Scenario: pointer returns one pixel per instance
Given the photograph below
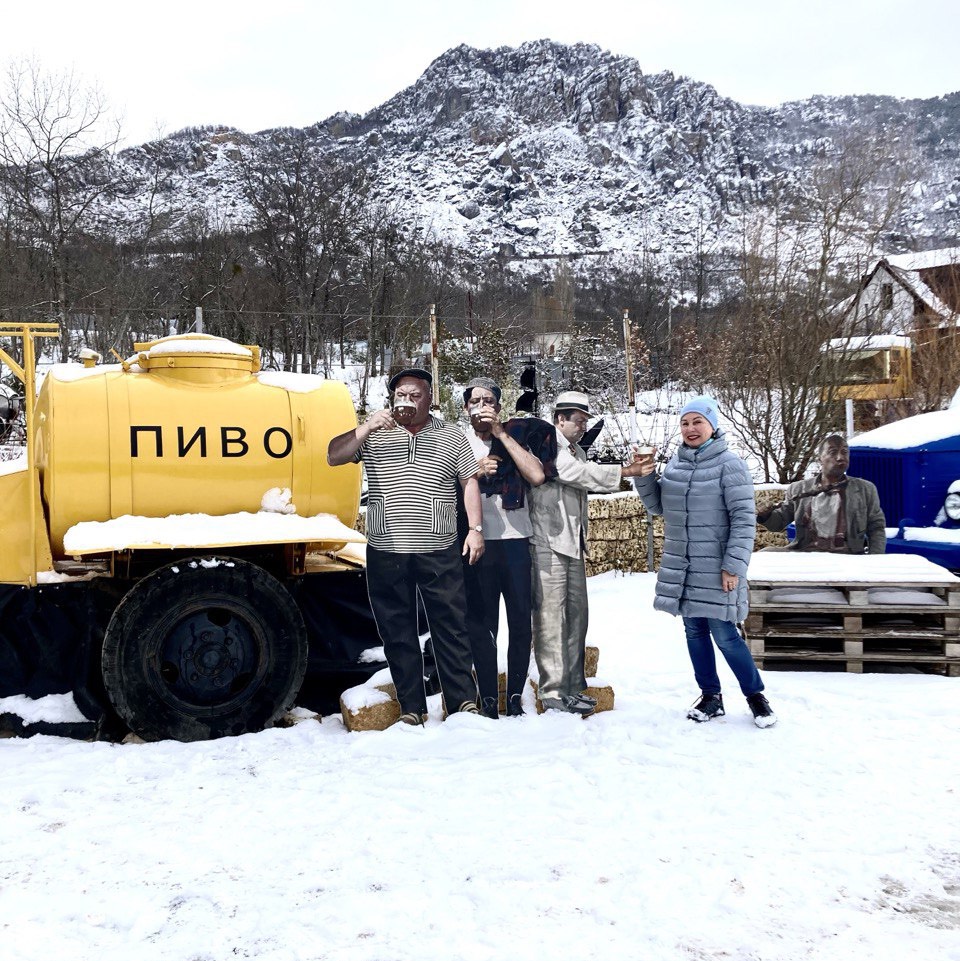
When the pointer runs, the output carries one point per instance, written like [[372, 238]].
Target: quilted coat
[[705, 495]]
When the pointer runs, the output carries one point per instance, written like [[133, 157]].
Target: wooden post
[[434, 361], [631, 393], [634, 429]]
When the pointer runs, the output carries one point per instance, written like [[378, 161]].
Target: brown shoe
[[413, 719]]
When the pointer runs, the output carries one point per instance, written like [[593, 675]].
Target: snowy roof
[[925, 259], [912, 432], [913, 284], [13, 466], [873, 342]]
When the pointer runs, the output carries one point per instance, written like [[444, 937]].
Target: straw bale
[[590, 661], [376, 716], [602, 693]]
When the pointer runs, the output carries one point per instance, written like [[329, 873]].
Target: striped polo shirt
[[412, 486]]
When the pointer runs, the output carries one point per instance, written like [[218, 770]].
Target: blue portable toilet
[[912, 462]]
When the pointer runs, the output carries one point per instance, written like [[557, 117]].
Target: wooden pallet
[[819, 611], [812, 658], [920, 623]]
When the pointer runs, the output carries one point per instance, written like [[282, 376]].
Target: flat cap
[[410, 372], [486, 383]]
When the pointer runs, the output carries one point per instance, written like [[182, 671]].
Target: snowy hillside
[[549, 148]]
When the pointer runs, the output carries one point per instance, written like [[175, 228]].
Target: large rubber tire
[[203, 648]]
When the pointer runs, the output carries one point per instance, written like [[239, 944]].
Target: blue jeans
[[733, 648]]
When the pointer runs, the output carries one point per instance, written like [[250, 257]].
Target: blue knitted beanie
[[706, 406]]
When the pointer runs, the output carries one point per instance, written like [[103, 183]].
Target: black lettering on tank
[[200, 434], [288, 442], [226, 441], [134, 440]]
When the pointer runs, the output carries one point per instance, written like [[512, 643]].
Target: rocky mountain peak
[[566, 149]]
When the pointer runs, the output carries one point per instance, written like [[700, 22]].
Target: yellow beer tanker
[[152, 474]]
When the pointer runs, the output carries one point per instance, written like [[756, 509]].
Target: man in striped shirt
[[412, 474]]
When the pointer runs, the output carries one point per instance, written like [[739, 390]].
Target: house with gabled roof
[[906, 293], [915, 296]]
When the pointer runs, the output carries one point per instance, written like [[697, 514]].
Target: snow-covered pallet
[[892, 612]]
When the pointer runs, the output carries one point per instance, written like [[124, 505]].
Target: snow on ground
[[635, 834]]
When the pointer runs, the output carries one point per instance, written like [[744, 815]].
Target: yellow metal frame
[[27, 375]]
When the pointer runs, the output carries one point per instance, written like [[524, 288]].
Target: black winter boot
[[709, 706], [763, 715], [514, 706]]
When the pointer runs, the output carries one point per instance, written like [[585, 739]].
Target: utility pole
[[632, 414], [434, 360], [631, 391]]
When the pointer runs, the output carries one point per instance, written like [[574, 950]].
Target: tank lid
[[197, 351]]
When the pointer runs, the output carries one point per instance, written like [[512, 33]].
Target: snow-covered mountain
[[556, 149]]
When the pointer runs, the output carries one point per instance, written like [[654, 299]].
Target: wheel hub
[[209, 657]]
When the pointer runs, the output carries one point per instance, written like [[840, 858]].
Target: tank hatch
[[198, 358]]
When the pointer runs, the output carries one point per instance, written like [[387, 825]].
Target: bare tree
[[305, 208], [767, 359], [56, 147]]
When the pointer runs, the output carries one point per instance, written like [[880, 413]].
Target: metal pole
[[434, 360], [30, 397], [848, 404], [198, 325]]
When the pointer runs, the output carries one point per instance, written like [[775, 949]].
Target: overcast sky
[[254, 64]]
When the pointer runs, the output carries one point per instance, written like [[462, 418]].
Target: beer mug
[[404, 412]]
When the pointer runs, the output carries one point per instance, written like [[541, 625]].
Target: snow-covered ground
[[635, 834]]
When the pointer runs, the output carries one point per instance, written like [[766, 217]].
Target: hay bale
[[602, 692], [618, 533], [372, 706], [590, 661]]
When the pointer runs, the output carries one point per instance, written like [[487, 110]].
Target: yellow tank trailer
[[205, 632]]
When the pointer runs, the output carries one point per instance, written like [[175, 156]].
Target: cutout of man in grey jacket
[[832, 511]]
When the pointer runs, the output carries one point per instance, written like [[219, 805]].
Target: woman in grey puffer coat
[[706, 498]]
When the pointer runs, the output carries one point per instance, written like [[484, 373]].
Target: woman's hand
[[728, 581]]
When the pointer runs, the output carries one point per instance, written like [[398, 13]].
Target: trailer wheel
[[206, 647]]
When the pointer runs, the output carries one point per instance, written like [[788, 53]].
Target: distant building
[[907, 293], [916, 296]]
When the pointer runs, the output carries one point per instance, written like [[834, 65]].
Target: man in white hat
[[558, 515]]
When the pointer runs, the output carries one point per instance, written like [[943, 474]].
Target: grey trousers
[[559, 621]]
